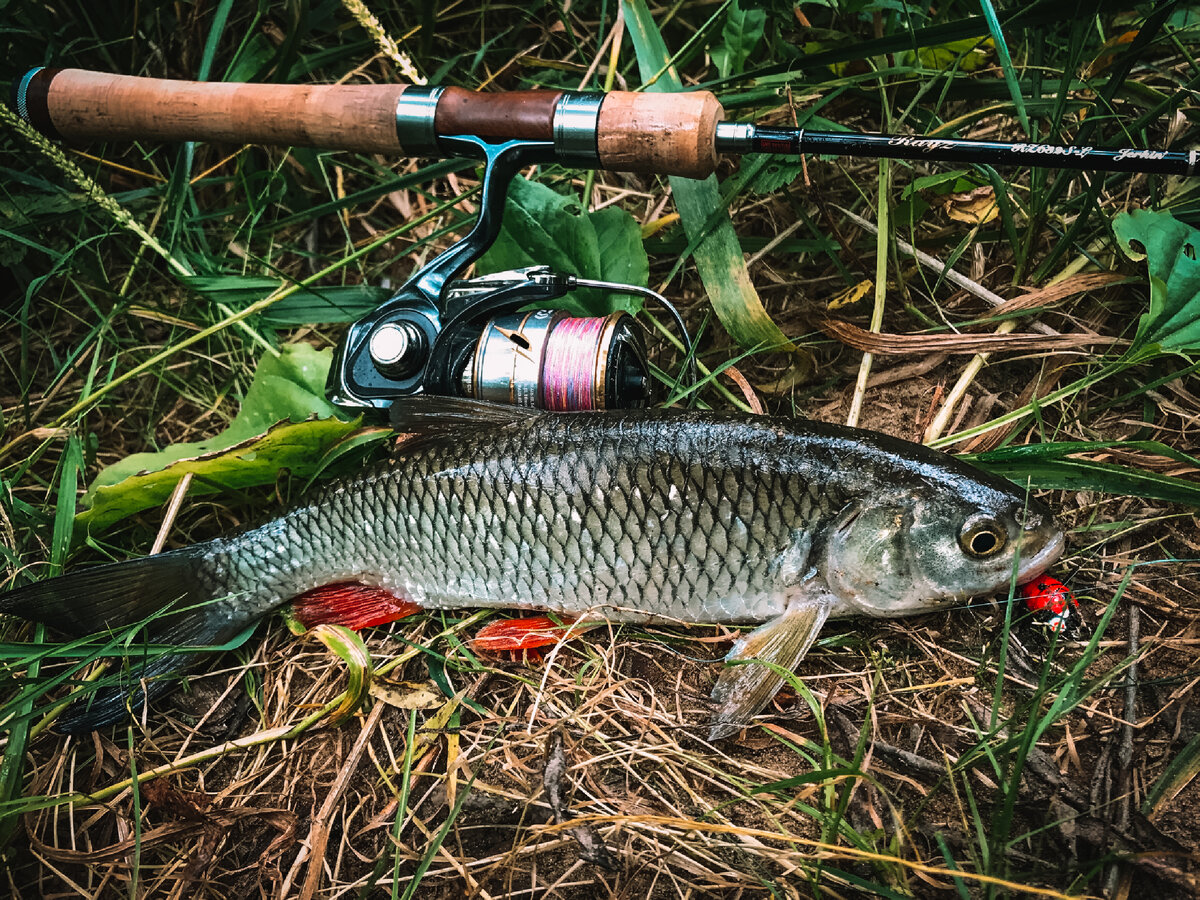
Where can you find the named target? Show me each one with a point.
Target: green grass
(148, 281)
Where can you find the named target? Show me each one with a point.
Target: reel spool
(550, 360)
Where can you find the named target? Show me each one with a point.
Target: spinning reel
(494, 337)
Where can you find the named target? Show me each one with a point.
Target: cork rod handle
(670, 134)
(81, 106)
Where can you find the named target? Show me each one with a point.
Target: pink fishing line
(569, 368)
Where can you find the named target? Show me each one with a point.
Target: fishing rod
(668, 134)
(476, 337)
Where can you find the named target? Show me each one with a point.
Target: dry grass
(679, 817)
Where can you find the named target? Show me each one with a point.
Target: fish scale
(626, 516)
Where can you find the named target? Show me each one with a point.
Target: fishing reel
(496, 337)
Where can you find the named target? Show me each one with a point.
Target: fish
(643, 516)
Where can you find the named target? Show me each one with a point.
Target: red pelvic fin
(528, 633)
(350, 604)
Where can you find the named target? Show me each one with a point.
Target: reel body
(494, 337)
(478, 343)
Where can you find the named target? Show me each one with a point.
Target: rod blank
(750, 138)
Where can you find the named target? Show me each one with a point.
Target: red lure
(1048, 595)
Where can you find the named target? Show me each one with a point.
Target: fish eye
(982, 536)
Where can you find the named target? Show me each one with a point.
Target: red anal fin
(528, 633)
(350, 604)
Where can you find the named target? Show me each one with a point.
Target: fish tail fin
(163, 591)
(136, 686)
(109, 596)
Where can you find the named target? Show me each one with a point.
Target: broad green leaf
(717, 252)
(1187, 17)
(766, 173)
(772, 173)
(356, 446)
(544, 227)
(622, 252)
(741, 35)
(966, 55)
(308, 306)
(938, 182)
(291, 386)
(274, 429)
(1171, 250)
(295, 446)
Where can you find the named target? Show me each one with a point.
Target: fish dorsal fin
(746, 686)
(427, 414)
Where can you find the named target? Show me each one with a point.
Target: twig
(974, 367)
(955, 278)
(616, 32)
(881, 260)
(173, 505)
(938, 425)
(775, 242)
(1125, 751)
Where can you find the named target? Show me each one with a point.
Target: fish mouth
(1035, 565)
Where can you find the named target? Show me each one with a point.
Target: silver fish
(632, 516)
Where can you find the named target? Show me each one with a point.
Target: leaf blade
(717, 254)
(284, 422)
(544, 227)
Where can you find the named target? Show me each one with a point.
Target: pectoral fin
(745, 686)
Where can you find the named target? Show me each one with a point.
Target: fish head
(937, 542)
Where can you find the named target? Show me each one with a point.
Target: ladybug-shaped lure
(1048, 596)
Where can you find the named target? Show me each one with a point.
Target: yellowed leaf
(451, 767)
(427, 734)
(1107, 54)
(653, 228)
(406, 694)
(851, 294)
(977, 207)
(360, 671)
(966, 55)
